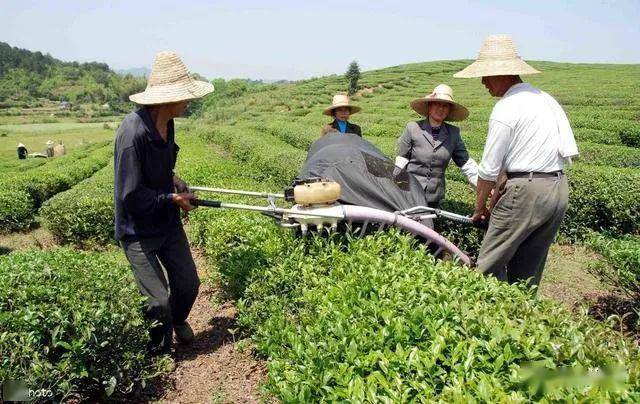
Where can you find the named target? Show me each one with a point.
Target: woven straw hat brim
(456, 113)
(168, 93)
(353, 108)
(484, 68)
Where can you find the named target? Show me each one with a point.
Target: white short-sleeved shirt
(524, 134)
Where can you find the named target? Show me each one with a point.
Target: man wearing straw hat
(529, 139)
(148, 198)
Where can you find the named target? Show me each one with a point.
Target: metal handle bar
(237, 192)
(218, 204)
(454, 217)
(205, 202)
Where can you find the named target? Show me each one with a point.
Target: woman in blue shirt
(340, 110)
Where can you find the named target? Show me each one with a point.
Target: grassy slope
(595, 117)
(286, 119)
(293, 113)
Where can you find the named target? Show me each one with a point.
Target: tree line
(27, 76)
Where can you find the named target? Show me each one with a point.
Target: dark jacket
(143, 169)
(429, 158)
(351, 127)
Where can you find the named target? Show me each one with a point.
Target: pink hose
(361, 214)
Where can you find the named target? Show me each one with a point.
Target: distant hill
(135, 71)
(27, 77)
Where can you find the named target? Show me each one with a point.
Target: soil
(366, 90)
(604, 305)
(37, 238)
(566, 278)
(216, 367)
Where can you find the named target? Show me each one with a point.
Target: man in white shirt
(530, 140)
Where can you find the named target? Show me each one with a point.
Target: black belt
(533, 174)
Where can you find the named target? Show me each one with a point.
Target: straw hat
(442, 93)
(498, 57)
(169, 82)
(341, 100)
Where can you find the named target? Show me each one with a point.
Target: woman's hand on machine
(183, 200)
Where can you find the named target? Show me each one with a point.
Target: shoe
(162, 347)
(184, 333)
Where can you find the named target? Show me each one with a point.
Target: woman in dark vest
(341, 109)
(427, 146)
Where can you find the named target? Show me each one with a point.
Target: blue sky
(299, 39)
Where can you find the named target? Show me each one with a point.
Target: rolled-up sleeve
(495, 150)
(138, 199)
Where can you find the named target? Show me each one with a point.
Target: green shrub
(298, 135)
(620, 268)
(602, 199)
(378, 320)
(42, 182)
(607, 155)
(460, 198)
(630, 135)
(72, 323)
(83, 215)
(266, 156)
(16, 210)
(236, 244)
(47, 180)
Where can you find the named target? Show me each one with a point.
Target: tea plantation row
(71, 323)
(601, 199)
(21, 194)
(268, 129)
(378, 319)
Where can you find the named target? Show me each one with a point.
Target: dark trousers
(168, 302)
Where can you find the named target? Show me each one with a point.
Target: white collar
(516, 88)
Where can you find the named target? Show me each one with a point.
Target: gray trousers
(168, 302)
(522, 226)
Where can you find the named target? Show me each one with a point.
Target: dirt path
(37, 238)
(566, 278)
(215, 368)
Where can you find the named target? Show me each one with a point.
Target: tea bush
(260, 153)
(83, 215)
(606, 155)
(620, 268)
(630, 135)
(41, 183)
(71, 322)
(602, 199)
(378, 320)
(16, 210)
